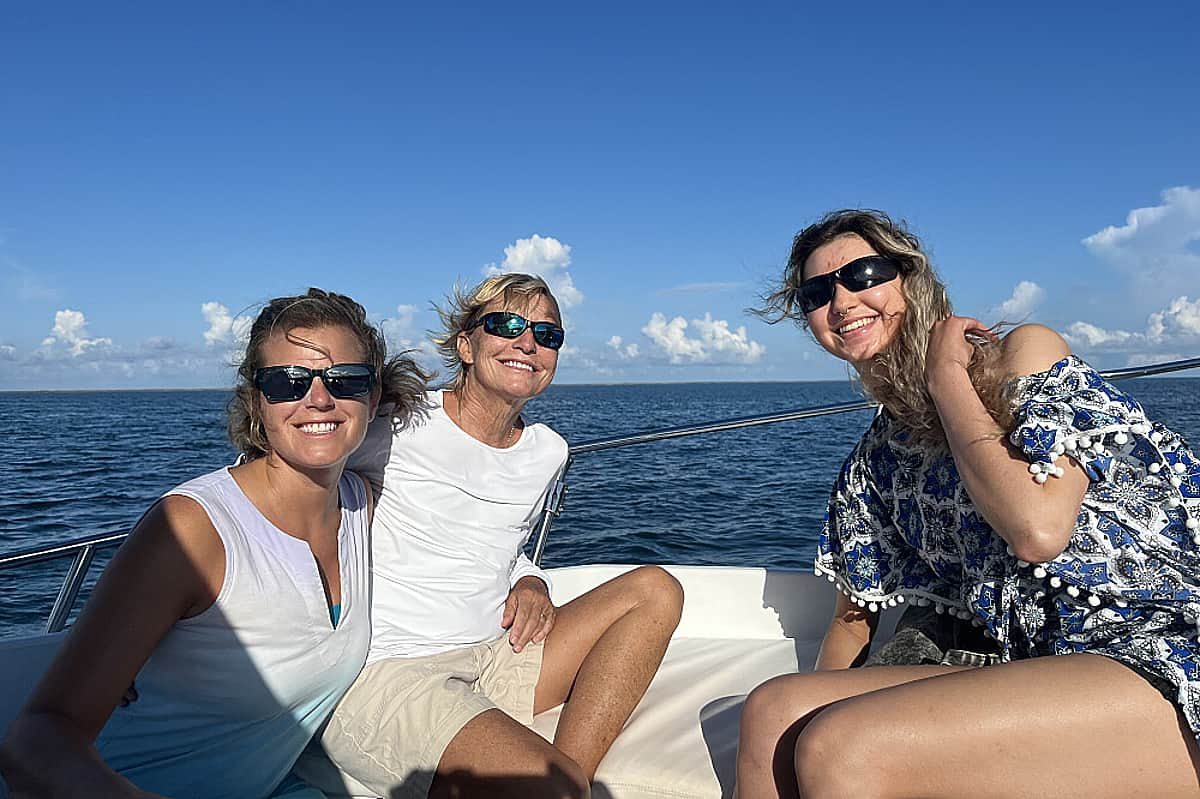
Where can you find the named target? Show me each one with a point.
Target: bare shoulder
(1032, 348)
(181, 522)
(176, 539)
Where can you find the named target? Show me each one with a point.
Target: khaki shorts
(390, 729)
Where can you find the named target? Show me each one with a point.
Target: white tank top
(231, 696)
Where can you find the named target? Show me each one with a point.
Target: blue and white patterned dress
(901, 527)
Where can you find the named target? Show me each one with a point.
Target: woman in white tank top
(238, 607)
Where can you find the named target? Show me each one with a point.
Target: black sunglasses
(858, 275)
(290, 383)
(511, 325)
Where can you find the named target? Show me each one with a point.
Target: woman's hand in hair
(951, 346)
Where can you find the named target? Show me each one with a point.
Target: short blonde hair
(464, 307)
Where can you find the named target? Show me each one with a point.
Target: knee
(763, 721)
(565, 780)
(657, 587)
(833, 759)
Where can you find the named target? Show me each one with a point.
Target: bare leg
(496, 756)
(776, 712)
(601, 655)
(1072, 725)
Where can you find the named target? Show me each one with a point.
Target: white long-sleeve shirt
(450, 527)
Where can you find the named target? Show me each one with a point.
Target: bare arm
(171, 567)
(849, 636)
(1035, 519)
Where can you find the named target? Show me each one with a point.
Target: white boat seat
(740, 627)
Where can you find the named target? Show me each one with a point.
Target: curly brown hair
(401, 381)
(896, 377)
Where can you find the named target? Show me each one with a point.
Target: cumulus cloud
(405, 314)
(623, 350)
(71, 357)
(1157, 245)
(401, 334)
(70, 335)
(1174, 325)
(1089, 336)
(546, 257)
(1026, 296)
(222, 327)
(714, 341)
(1179, 320)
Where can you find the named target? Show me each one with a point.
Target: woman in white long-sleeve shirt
(466, 644)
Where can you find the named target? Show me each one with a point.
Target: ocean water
(77, 464)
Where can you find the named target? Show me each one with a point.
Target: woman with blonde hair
(238, 607)
(1007, 485)
(466, 645)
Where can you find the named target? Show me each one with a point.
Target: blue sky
(164, 168)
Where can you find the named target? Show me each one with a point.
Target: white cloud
(1092, 337)
(715, 342)
(1176, 324)
(672, 338)
(702, 288)
(159, 344)
(623, 350)
(545, 257)
(71, 357)
(1026, 296)
(1180, 319)
(401, 334)
(70, 334)
(405, 314)
(717, 336)
(222, 327)
(1156, 245)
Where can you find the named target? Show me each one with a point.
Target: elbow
(1038, 544)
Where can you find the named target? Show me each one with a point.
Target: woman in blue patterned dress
(1006, 484)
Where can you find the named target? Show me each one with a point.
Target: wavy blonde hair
(464, 307)
(401, 382)
(896, 377)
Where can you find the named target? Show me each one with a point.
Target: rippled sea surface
(76, 464)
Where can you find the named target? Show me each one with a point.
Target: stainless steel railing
(558, 492)
(83, 550)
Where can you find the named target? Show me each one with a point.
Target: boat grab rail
(83, 550)
(557, 494)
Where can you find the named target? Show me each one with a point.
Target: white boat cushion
(740, 627)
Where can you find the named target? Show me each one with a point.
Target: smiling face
(317, 431)
(854, 326)
(510, 370)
